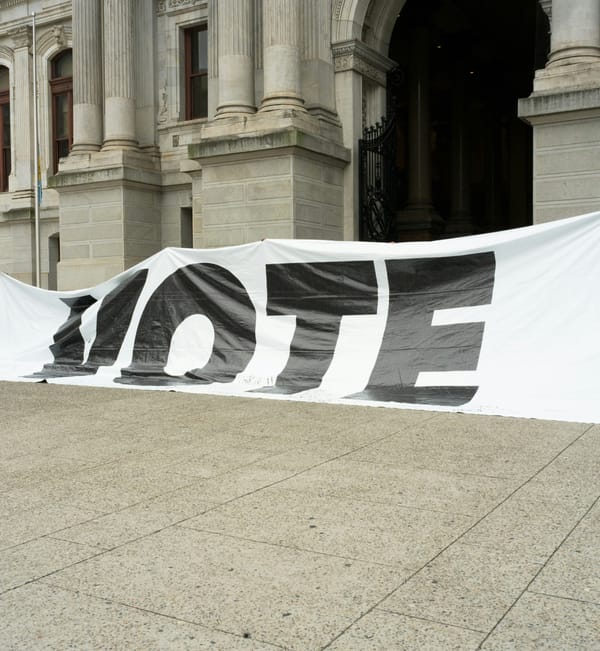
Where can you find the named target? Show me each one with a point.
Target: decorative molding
(21, 36)
(6, 55)
(166, 6)
(355, 55)
(54, 39)
(339, 5)
(58, 33)
(546, 5)
(6, 4)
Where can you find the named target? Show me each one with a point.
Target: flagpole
(36, 157)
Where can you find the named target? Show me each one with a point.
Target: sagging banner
(506, 323)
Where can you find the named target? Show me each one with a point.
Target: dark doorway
(463, 159)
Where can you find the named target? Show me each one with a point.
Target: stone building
(216, 122)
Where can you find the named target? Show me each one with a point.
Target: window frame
(60, 87)
(189, 76)
(5, 151)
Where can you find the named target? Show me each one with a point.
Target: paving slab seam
(428, 619)
(39, 578)
(284, 546)
(216, 506)
(398, 505)
(291, 475)
(152, 612)
(542, 566)
(497, 506)
(559, 596)
(49, 534)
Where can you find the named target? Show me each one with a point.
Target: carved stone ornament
(546, 5)
(355, 55)
(6, 4)
(58, 34)
(164, 6)
(21, 36)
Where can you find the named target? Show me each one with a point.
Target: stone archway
(500, 197)
(371, 21)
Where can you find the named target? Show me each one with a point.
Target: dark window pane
(6, 163)
(5, 125)
(62, 116)
(4, 79)
(199, 51)
(62, 148)
(199, 96)
(63, 65)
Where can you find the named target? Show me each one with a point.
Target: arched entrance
(457, 157)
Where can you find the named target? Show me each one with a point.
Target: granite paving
(142, 520)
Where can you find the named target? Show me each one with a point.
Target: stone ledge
(289, 137)
(86, 173)
(576, 100)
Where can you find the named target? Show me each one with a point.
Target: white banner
(506, 323)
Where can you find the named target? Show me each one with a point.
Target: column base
(567, 74)
(566, 152)
(109, 215)
(268, 177)
(419, 222)
(282, 101)
(229, 110)
(458, 225)
(84, 148)
(120, 143)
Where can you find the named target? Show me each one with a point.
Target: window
(61, 88)
(4, 128)
(187, 228)
(196, 73)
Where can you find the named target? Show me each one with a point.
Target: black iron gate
(378, 181)
(380, 193)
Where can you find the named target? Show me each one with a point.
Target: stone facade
(288, 87)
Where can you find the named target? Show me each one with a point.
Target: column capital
(21, 36)
(355, 55)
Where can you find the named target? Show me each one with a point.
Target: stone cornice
(21, 36)
(546, 5)
(169, 6)
(355, 55)
(6, 4)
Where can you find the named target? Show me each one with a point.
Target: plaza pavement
(148, 520)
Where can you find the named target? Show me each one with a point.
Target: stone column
(145, 94)
(318, 85)
(419, 219)
(281, 48)
(420, 203)
(575, 32)
(236, 57)
(119, 82)
(460, 214)
(87, 76)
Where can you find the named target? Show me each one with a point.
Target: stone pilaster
(236, 60)
(119, 82)
(23, 126)
(281, 55)
(87, 76)
(213, 57)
